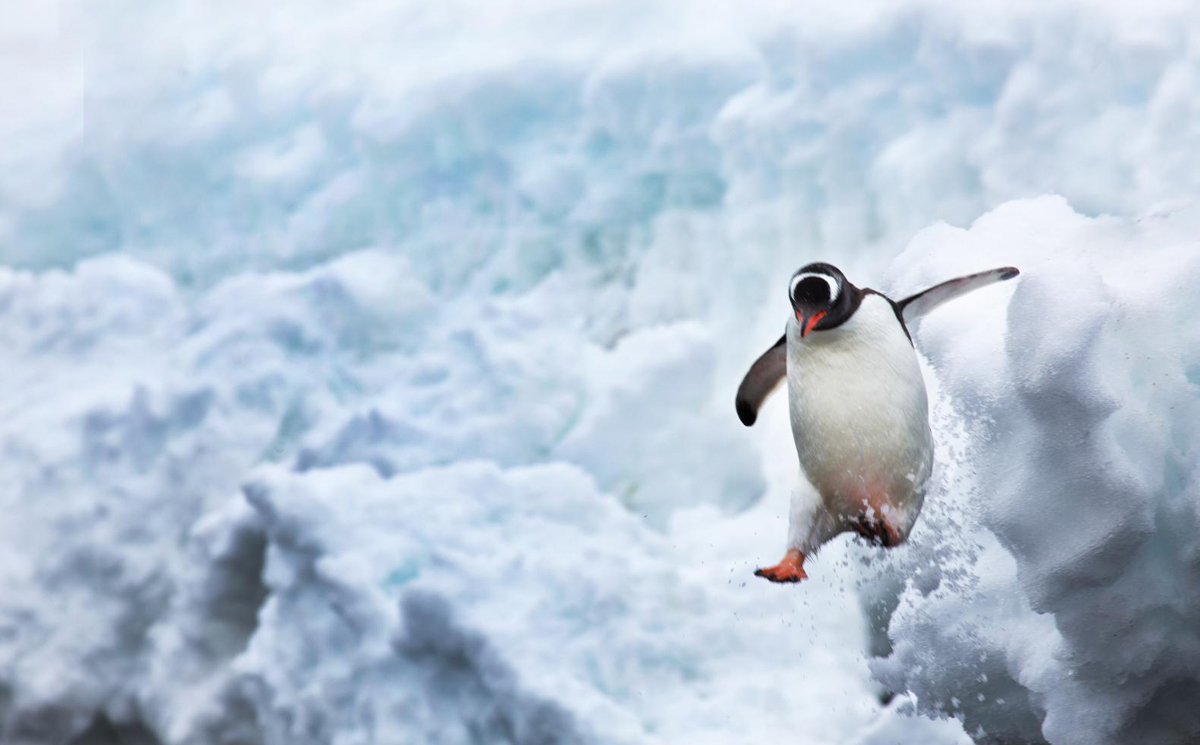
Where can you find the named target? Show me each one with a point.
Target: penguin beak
(809, 322)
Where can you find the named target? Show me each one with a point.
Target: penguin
(858, 407)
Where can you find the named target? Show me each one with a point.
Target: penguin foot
(789, 569)
(876, 530)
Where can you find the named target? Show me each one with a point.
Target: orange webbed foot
(789, 569)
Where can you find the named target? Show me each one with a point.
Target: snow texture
(369, 371)
(1088, 479)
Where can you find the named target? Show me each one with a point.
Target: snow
(1089, 479)
(370, 371)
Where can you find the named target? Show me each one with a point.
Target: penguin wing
(760, 380)
(918, 305)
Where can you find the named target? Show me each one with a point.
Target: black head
(822, 298)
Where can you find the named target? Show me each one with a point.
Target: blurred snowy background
(368, 370)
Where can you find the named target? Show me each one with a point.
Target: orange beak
(807, 325)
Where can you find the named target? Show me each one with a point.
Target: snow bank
(1085, 473)
(370, 371)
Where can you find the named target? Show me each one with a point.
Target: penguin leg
(810, 525)
(789, 569)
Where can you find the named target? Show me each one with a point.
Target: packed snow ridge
(370, 373)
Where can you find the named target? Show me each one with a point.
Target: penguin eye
(814, 289)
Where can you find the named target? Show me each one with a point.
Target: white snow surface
(369, 370)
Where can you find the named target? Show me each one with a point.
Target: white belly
(860, 415)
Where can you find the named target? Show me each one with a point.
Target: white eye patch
(833, 285)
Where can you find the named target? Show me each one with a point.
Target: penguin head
(821, 296)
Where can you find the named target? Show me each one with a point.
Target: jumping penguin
(859, 411)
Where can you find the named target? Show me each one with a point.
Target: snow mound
(1086, 474)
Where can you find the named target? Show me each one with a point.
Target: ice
(369, 371)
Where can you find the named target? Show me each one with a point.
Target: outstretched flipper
(760, 380)
(915, 306)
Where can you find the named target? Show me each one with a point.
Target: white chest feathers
(859, 411)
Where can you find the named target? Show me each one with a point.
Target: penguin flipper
(760, 380)
(918, 305)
